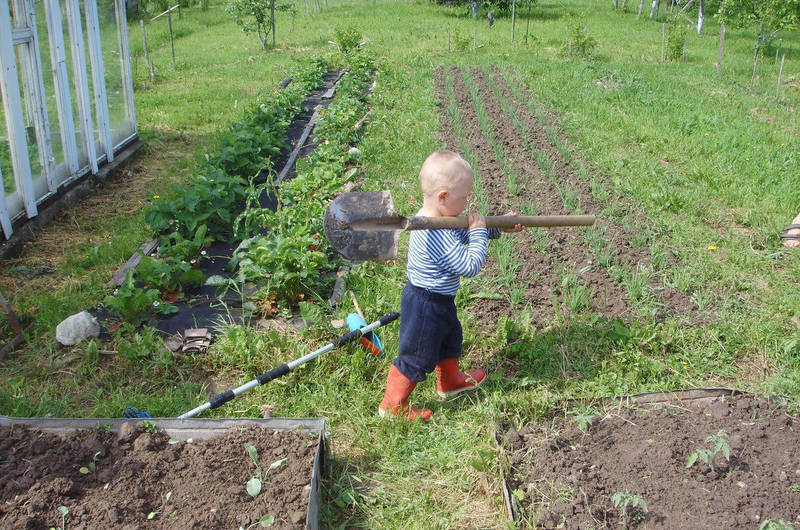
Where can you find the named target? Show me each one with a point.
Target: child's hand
(515, 228)
(476, 220)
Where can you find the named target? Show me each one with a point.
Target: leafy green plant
(676, 39)
(254, 485)
(584, 418)
(720, 445)
(131, 303)
(775, 524)
(149, 426)
(579, 42)
(461, 41)
(168, 274)
(265, 521)
(176, 247)
(92, 465)
(347, 38)
(623, 500)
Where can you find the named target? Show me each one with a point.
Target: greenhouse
(67, 94)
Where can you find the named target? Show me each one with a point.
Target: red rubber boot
(395, 400)
(451, 381)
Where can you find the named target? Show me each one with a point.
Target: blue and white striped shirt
(438, 258)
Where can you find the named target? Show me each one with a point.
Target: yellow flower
(707, 134)
(712, 247)
(156, 196)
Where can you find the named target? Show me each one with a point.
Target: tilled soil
(567, 249)
(135, 471)
(566, 477)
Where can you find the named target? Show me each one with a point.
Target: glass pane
(28, 111)
(5, 153)
(118, 110)
(61, 169)
(90, 79)
(83, 153)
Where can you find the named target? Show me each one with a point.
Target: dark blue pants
(429, 331)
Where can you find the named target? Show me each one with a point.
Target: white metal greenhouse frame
(45, 156)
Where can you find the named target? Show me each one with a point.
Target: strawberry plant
(133, 303)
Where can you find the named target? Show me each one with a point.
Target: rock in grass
(76, 328)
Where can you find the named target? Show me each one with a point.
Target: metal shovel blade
(362, 245)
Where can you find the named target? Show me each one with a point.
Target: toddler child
(430, 333)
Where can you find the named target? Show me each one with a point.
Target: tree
(768, 16)
(257, 16)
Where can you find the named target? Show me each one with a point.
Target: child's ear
(441, 195)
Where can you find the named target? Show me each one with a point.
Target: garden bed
(660, 464)
(103, 473)
(522, 165)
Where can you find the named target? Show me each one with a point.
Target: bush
(579, 41)
(676, 38)
(347, 38)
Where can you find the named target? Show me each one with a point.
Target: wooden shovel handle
(500, 221)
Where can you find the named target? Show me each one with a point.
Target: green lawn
(712, 167)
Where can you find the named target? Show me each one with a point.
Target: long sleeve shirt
(437, 259)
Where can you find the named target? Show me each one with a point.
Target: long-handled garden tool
(275, 373)
(364, 225)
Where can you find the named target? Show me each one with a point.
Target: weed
(92, 465)
(574, 293)
(584, 418)
(149, 427)
(720, 445)
(622, 500)
(164, 500)
(64, 511)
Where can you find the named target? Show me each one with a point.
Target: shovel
(364, 226)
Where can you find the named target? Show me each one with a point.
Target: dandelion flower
(156, 196)
(712, 247)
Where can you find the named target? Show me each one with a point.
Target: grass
(708, 163)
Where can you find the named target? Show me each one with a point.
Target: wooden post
(721, 48)
(755, 67)
(448, 41)
(147, 53)
(513, 18)
(171, 38)
(780, 78)
(641, 6)
(475, 40)
(663, 42)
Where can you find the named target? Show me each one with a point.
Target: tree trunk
(616, 4)
(641, 6)
(721, 48)
(476, 5)
(513, 19)
(654, 8)
(701, 17)
(272, 20)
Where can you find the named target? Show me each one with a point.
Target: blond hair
(443, 169)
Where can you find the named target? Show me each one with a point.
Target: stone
(76, 328)
(355, 152)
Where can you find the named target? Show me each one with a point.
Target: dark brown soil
(564, 477)
(566, 249)
(135, 471)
